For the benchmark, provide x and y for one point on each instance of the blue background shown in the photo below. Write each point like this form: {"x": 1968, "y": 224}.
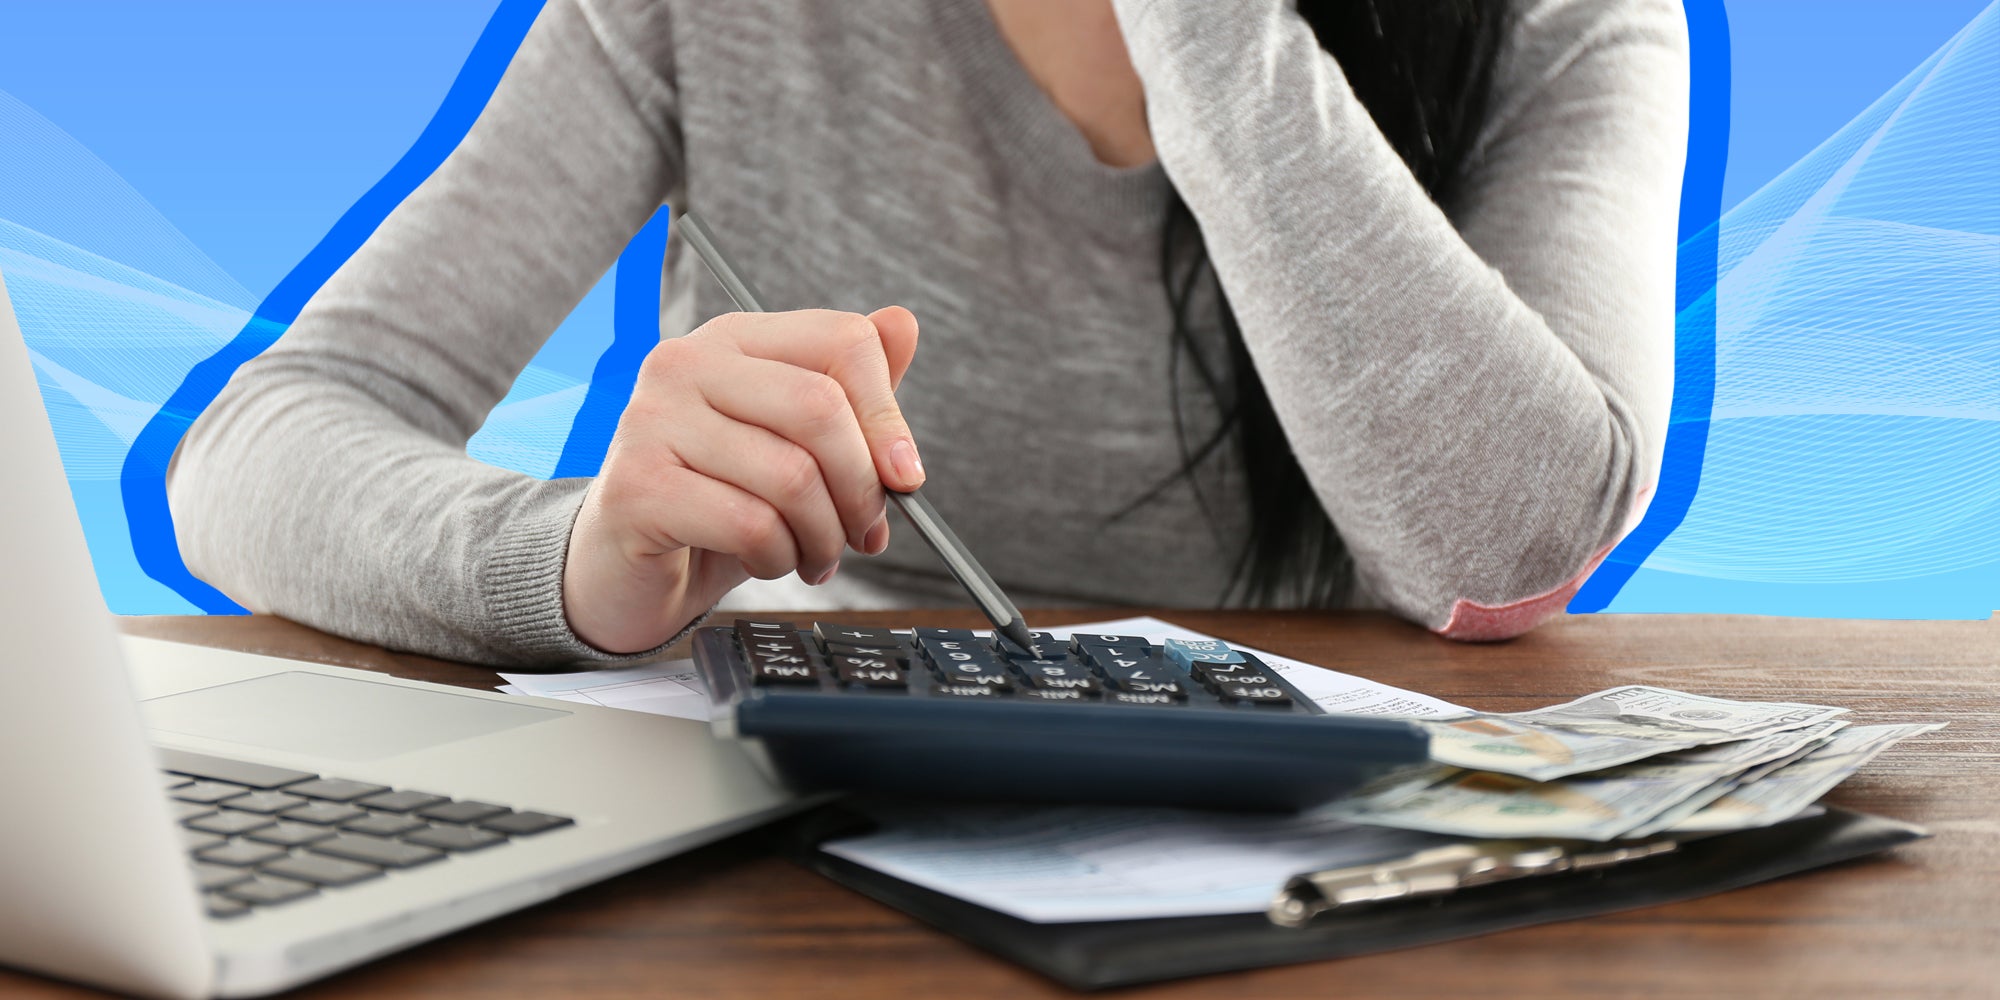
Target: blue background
{"x": 249, "y": 128}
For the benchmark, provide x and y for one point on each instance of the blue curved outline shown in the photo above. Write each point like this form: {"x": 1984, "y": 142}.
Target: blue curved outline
{"x": 1694, "y": 306}
{"x": 635, "y": 331}
{"x": 142, "y": 480}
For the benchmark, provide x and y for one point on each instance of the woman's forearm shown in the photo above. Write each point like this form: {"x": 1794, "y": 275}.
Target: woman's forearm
{"x": 1479, "y": 401}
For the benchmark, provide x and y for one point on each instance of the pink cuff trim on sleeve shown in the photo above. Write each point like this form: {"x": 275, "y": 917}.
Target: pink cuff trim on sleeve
{"x": 1486, "y": 623}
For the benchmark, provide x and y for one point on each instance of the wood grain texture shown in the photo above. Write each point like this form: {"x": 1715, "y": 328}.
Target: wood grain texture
{"x": 729, "y": 921}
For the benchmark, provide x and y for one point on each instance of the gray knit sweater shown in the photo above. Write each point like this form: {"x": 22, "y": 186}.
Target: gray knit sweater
{"x": 1478, "y": 395}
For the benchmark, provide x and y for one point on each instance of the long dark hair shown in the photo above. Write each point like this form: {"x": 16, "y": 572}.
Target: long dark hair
{"x": 1422, "y": 68}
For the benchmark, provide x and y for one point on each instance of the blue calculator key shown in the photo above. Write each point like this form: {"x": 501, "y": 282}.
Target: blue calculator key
{"x": 855, "y": 635}
{"x": 1055, "y": 675}
{"x": 1188, "y": 652}
{"x": 951, "y": 634}
{"x": 870, "y": 671}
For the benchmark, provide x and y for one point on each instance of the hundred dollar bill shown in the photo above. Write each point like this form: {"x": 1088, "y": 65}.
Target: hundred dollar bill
{"x": 1757, "y": 757}
{"x": 1598, "y": 806}
{"x": 1609, "y": 728}
{"x": 1789, "y": 790}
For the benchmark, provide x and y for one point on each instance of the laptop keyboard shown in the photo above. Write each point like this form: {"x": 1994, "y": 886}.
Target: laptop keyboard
{"x": 259, "y": 835}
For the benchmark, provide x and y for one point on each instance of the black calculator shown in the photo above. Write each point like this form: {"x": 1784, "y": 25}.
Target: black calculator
{"x": 953, "y": 713}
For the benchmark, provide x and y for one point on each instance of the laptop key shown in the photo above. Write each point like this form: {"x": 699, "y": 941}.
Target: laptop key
{"x": 376, "y": 850}
{"x": 454, "y": 838}
{"x": 241, "y": 853}
{"x": 228, "y": 822}
{"x": 222, "y": 907}
{"x": 207, "y": 791}
{"x": 321, "y": 870}
{"x": 401, "y": 802}
{"x": 521, "y": 824}
{"x": 461, "y": 812}
{"x": 324, "y": 813}
{"x": 210, "y": 877}
{"x": 265, "y": 802}
{"x": 268, "y": 890}
{"x": 382, "y": 825}
{"x": 195, "y": 840}
{"x": 188, "y": 810}
{"x": 170, "y": 781}
{"x": 334, "y": 789}
{"x": 290, "y": 834}
{"x": 237, "y": 772}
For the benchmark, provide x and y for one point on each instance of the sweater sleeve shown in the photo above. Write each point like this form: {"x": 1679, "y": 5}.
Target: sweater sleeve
{"x": 1480, "y": 400}
{"x": 329, "y": 482}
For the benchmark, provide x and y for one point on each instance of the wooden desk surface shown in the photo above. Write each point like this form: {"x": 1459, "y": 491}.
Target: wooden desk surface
{"x": 725, "y": 921}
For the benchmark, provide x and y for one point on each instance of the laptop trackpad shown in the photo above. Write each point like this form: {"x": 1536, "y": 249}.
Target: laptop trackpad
{"x": 334, "y": 717}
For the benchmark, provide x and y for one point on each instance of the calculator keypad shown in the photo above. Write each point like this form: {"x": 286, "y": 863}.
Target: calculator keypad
{"x": 960, "y": 664}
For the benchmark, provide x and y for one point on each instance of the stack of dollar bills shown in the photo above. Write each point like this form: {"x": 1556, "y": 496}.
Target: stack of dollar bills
{"x": 1632, "y": 761}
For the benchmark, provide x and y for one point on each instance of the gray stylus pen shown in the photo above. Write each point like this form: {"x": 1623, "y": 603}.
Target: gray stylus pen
{"x": 918, "y": 511}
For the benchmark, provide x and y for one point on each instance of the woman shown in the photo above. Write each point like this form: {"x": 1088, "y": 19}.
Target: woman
{"x": 1361, "y": 303}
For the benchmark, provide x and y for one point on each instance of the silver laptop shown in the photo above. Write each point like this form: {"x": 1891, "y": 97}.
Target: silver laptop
{"x": 187, "y": 822}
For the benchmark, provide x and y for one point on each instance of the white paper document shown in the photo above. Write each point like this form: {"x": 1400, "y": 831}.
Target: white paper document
{"x": 1056, "y": 864}
{"x": 672, "y": 688}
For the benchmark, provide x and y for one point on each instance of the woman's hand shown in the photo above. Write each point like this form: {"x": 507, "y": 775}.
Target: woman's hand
{"x": 758, "y": 445}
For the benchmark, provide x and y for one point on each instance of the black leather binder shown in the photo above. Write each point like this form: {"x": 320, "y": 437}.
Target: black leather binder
{"x": 1111, "y": 953}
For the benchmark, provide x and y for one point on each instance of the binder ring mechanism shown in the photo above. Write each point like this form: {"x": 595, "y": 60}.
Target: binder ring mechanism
{"x": 1443, "y": 870}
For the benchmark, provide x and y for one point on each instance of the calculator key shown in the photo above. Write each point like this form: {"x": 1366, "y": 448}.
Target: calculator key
{"x": 853, "y": 673}
{"x": 968, "y": 691}
{"x": 1045, "y": 646}
{"x": 1187, "y": 652}
{"x": 944, "y": 653}
{"x": 783, "y": 673}
{"x": 1139, "y": 698}
{"x": 745, "y": 626}
{"x": 401, "y": 802}
{"x": 1087, "y": 640}
{"x": 950, "y": 634}
{"x": 334, "y": 789}
{"x": 323, "y": 813}
{"x": 1101, "y": 654}
{"x": 778, "y": 653}
{"x": 1147, "y": 676}
{"x": 896, "y": 655}
{"x": 1251, "y": 694}
{"x": 266, "y": 890}
{"x": 984, "y": 672}
{"x": 1053, "y": 675}
{"x": 1066, "y": 694}
{"x": 521, "y": 824}
{"x": 855, "y": 635}
{"x": 872, "y": 660}
{"x": 1220, "y": 673}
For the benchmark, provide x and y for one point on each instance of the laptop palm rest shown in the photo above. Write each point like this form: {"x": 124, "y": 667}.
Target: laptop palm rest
{"x": 334, "y": 717}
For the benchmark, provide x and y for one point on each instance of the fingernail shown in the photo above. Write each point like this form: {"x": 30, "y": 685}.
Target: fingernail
{"x": 828, "y": 575}
{"x": 909, "y": 468}
{"x": 877, "y": 537}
